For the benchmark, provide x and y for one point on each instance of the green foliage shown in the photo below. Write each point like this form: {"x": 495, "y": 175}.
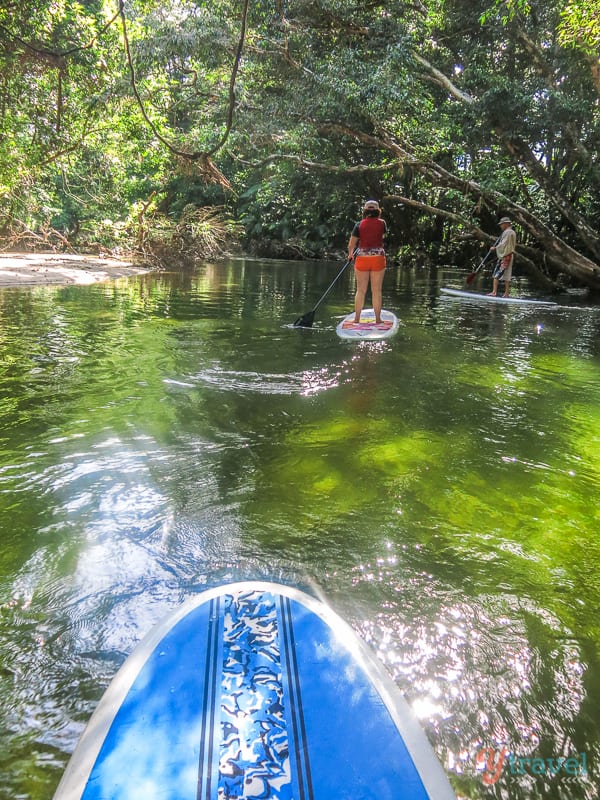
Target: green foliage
{"x": 506, "y": 10}
{"x": 580, "y": 26}
{"x": 324, "y": 92}
{"x": 197, "y": 233}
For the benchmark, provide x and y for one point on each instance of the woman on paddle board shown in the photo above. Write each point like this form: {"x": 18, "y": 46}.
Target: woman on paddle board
{"x": 366, "y": 247}
{"x": 505, "y": 253}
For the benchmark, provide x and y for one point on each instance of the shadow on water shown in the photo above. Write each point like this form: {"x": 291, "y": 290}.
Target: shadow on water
{"x": 170, "y": 432}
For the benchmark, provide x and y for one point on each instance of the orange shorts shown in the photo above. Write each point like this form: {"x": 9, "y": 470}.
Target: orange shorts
{"x": 369, "y": 263}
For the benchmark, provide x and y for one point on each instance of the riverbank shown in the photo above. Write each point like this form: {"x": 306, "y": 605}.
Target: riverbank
{"x": 60, "y": 269}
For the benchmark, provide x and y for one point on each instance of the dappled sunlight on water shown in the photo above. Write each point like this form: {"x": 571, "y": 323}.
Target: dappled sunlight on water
{"x": 440, "y": 659}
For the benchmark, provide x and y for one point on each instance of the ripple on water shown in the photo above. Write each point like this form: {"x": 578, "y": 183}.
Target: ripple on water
{"x": 225, "y": 380}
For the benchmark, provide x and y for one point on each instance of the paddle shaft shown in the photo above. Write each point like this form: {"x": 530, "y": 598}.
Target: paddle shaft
{"x": 332, "y": 284}
{"x": 471, "y": 276}
{"x": 306, "y": 320}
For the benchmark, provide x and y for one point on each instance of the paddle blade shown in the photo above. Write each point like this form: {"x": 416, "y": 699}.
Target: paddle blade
{"x": 305, "y": 321}
{"x": 471, "y": 277}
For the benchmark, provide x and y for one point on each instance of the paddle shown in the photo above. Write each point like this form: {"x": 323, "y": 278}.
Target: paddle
{"x": 306, "y": 320}
{"x": 471, "y": 275}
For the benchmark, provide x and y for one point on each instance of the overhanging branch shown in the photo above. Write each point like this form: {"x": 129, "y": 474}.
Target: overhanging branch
{"x": 317, "y": 165}
{"x": 207, "y": 168}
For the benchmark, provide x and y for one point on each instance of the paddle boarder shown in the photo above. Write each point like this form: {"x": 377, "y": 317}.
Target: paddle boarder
{"x": 505, "y": 252}
{"x": 366, "y": 247}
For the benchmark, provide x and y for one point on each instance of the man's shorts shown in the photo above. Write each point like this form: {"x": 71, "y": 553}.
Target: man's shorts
{"x": 503, "y": 270}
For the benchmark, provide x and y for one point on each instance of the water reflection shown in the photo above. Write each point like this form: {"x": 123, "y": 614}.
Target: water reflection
{"x": 164, "y": 434}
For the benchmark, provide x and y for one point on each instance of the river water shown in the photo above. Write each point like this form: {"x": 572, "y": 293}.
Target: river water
{"x": 166, "y": 433}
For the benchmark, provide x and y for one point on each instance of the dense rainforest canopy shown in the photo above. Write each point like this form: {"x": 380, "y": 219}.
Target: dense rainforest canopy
{"x": 182, "y": 126}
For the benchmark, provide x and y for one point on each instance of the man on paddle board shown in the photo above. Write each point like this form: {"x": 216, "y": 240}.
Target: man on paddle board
{"x": 369, "y": 261}
{"x": 505, "y": 251}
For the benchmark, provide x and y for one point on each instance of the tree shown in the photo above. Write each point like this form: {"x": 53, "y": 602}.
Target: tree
{"x": 495, "y": 117}
{"x": 291, "y": 114}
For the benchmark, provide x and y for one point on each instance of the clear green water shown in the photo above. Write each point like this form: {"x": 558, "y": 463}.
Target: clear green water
{"x": 167, "y": 433}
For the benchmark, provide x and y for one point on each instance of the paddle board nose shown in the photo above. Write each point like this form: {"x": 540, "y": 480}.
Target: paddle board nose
{"x": 253, "y": 690}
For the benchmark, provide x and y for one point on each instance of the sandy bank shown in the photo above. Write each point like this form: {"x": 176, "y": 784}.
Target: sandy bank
{"x": 52, "y": 269}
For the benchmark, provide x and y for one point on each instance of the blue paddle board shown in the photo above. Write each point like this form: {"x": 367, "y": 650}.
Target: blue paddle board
{"x": 496, "y": 299}
{"x": 367, "y": 328}
{"x": 253, "y": 690}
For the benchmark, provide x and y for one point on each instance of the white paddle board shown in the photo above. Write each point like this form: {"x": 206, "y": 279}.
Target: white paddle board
{"x": 367, "y": 328}
{"x": 253, "y": 690}
{"x": 497, "y": 298}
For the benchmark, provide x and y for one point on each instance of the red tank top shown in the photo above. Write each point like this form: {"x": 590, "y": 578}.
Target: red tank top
{"x": 370, "y": 233}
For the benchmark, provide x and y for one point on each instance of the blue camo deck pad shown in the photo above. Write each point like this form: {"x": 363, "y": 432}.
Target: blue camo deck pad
{"x": 253, "y": 691}
{"x": 254, "y": 757}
